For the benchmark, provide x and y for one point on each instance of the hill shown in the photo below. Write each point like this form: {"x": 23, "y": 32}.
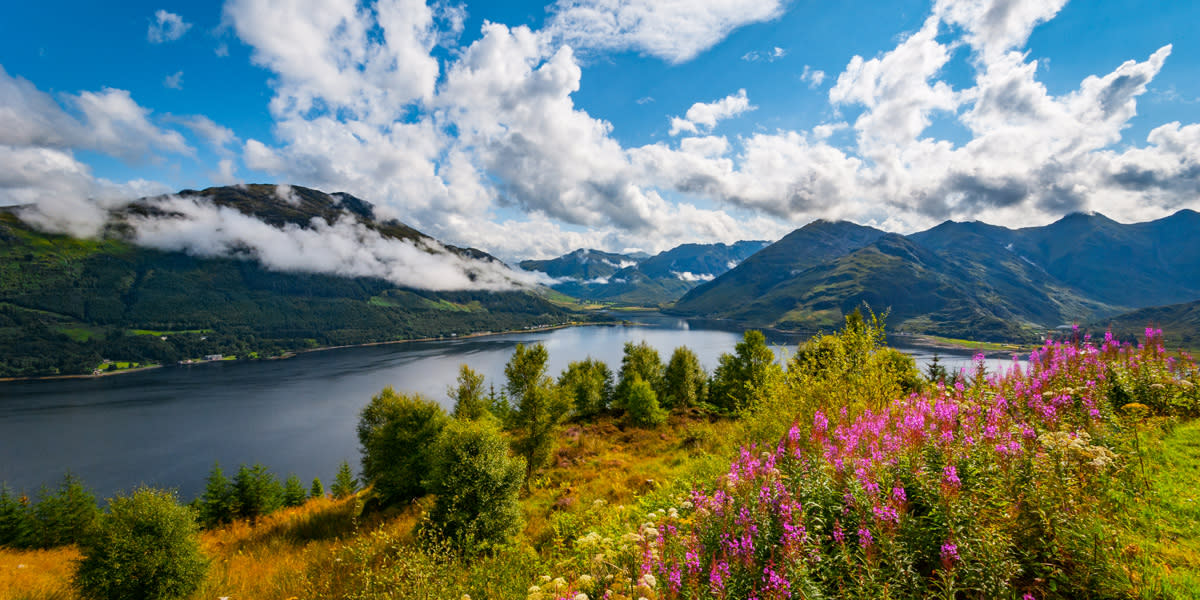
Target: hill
{"x": 1180, "y": 323}
{"x": 960, "y": 279}
{"x": 69, "y": 305}
{"x": 644, "y": 281}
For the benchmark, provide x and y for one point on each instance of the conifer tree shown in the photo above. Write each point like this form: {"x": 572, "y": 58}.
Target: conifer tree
{"x": 257, "y": 492}
{"x": 293, "y": 491}
{"x": 66, "y": 515}
{"x": 344, "y": 484}
{"x": 217, "y": 502}
{"x": 317, "y": 490}
{"x": 16, "y": 522}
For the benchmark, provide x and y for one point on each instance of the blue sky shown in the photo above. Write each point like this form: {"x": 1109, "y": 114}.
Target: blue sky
{"x": 530, "y": 129}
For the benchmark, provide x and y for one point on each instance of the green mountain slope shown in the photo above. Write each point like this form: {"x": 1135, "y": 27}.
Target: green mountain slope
{"x": 1180, "y": 323}
{"x": 66, "y": 304}
{"x": 807, "y": 247}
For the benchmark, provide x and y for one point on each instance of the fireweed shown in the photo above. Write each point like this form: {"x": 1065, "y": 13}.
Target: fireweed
{"x": 989, "y": 488}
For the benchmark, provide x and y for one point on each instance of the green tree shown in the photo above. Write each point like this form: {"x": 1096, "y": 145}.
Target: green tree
{"x": 217, "y": 504}
{"x": 317, "y": 490}
{"x": 396, "y": 433}
{"x": 66, "y": 515}
{"x": 738, "y": 375}
{"x": 539, "y": 406}
{"x": 935, "y": 372}
{"x": 344, "y": 484}
{"x": 146, "y": 547}
{"x": 684, "y": 383}
{"x": 477, "y": 486}
{"x": 293, "y": 491}
{"x": 639, "y": 360}
{"x": 256, "y": 492}
{"x": 641, "y": 406}
{"x": 16, "y": 522}
{"x": 588, "y": 386}
{"x": 470, "y": 401}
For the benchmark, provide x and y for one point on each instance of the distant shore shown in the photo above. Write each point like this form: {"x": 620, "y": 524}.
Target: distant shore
{"x": 293, "y": 353}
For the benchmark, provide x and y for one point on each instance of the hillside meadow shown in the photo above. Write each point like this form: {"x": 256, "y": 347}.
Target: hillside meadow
{"x": 844, "y": 475}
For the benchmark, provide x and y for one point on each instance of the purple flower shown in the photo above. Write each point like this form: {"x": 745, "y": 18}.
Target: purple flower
{"x": 864, "y": 537}
{"x": 950, "y": 477}
{"x": 949, "y": 554}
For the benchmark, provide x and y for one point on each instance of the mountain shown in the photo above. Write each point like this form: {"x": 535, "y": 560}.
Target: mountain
{"x": 960, "y": 279}
{"x": 1180, "y": 323}
{"x": 582, "y": 265}
{"x": 807, "y": 247}
{"x": 66, "y": 303}
{"x": 640, "y": 280}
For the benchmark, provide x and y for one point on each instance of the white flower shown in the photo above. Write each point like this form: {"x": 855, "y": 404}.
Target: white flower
{"x": 581, "y": 596}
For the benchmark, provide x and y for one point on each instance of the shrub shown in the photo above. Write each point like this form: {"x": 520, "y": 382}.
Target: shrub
{"x": 146, "y": 547}
{"x": 641, "y": 405}
{"x": 477, "y": 486}
{"x": 395, "y": 434}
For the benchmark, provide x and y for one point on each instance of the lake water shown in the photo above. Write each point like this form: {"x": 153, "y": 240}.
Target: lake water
{"x": 166, "y": 427}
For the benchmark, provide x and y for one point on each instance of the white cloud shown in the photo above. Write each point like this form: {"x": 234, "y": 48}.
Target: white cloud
{"x": 704, "y": 116}
{"x": 174, "y": 81}
{"x": 994, "y": 27}
{"x": 166, "y": 27}
{"x": 693, "y": 277}
{"x": 217, "y": 136}
{"x": 814, "y": 77}
{"x": 772, "y": 55}
{"x": 673, "y": 30}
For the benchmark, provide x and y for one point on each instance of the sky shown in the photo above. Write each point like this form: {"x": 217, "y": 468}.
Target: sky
{"x": 530, "y": 129}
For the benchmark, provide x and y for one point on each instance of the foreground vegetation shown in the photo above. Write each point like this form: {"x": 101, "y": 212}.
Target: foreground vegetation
{"x": 852, "y": 476}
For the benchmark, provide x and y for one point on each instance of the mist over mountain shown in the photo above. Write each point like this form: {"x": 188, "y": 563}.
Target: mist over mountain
{"x": 640, "y": 279}
{"x": 247, "y": 270}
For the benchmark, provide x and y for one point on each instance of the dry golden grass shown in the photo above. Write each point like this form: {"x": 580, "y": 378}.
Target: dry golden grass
{"x": 37, "y": 574}
{"x": 277, "y": 557}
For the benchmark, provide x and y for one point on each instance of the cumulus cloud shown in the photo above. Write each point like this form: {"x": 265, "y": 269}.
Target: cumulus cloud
{"x": 814, "y": 77}
{"x": 690, "y": 277}
{"x": 673, "y": 30}
{"x": 704, "y": 116}
{"x": 166, "y": 27}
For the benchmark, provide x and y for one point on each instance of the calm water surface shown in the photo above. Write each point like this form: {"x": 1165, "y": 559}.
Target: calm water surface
{"x": 166, "y": 427}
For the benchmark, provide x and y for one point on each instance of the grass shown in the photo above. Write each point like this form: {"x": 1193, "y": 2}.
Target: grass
{"x": 162, "y": 333}
{"x": 975, "y": 345}
{"x": 1163, "y": 537}
{"x": 78, "y": 334}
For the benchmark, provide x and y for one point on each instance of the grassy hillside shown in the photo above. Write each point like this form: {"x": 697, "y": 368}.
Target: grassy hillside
{"x": 1182, "y": 321}
{"x": 66, "y": 304}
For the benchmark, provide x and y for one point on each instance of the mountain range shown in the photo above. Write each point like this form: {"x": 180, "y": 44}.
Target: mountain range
{"x": 960, "y": 279}
{"x": 67, "y": 304}
{"x": 639, "y": 279}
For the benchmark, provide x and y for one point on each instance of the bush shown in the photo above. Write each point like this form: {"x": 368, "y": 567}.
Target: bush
{"x": 395, "y": 434}
{"x": 147, "y": 547}
{"x": 477, "y": 486}
{"x": 641, "y": 405}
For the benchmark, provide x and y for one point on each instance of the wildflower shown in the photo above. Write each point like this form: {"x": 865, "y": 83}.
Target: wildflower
{"x": 950, "y": 477}
{"x": 949, "y": 554}
{"x": 899, "y": 495}
{"x": 864, "y": 537}
{"x": 581, "y": 596}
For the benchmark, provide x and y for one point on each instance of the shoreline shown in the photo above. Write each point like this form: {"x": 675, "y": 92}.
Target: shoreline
{"x": 294, "y": 353}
